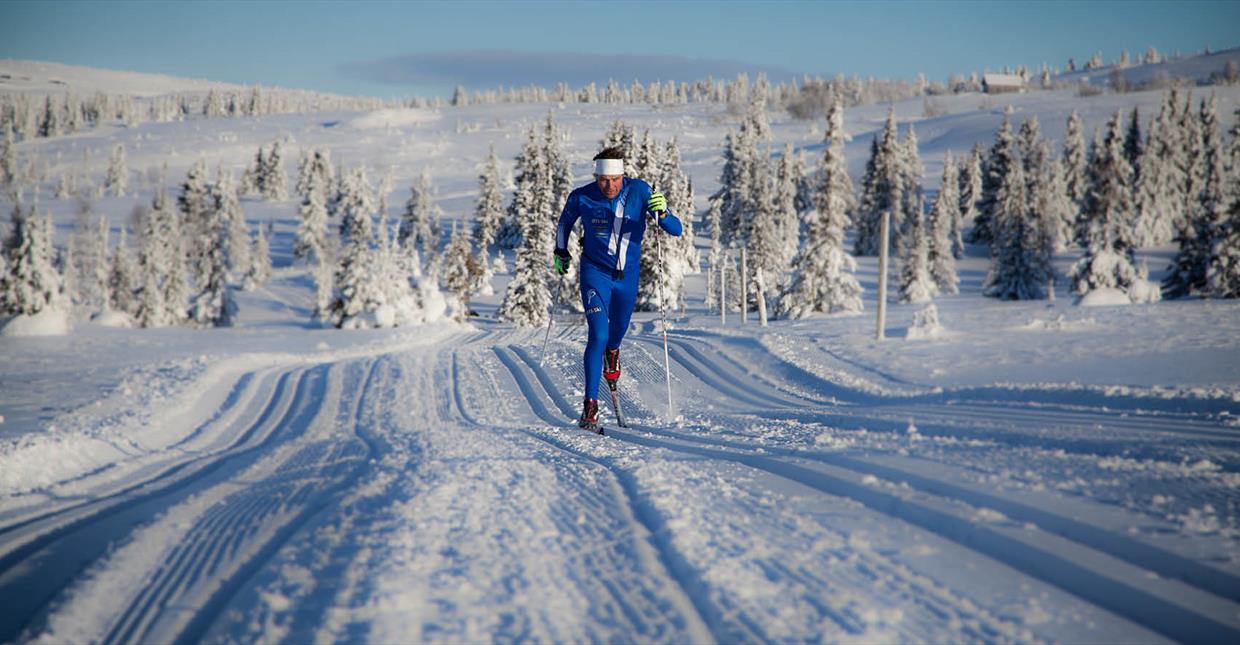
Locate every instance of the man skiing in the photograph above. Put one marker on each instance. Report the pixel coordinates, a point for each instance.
(613, 211)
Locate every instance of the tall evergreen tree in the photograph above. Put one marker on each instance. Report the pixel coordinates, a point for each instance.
(916, 283)
(312, 240)
(489, 211)
(1020, 259)
(32, 283)
(122, 281)
(175, 279)
(911, 173)
(1208, 220)
(785, 204)
(228, 209)
(1003, 155)
(1133, 148)
(116, 181)
(1159, 183)
(822, 278)
(260, 260)
(944, 215)
(1107, 217)
(420, 223)
(213, 305)
(882, 190)
(197, 206)
(970, 193)
(274, 182)
(1075, 164)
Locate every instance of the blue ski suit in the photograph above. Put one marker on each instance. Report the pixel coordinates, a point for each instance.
(610, 262)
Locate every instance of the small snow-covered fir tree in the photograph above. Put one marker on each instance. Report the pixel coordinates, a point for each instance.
(911, 173)
(764, 252)
(1107, 217)
(916, 283)
(944, 213)
(116, 180)
(197, 206)
(274, 182)
(227, 207)
(970, 186)
(1159, 183)
(822, 278)
(214, 305)
(420, 223)
(489, 211)
(153, 251)
(785, 205)
(1002, 156)
(312, 240)
(260, 260)
(678, 188)
(1200, 241)
(122, 278)
(32, 284)
(253, 177)
(882, 190)
(175, 279)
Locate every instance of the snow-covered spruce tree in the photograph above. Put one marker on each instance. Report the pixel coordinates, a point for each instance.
(359, 291)
(736, 181)
(213, 305)
(227, 207)
(1159, 183)
(197, 206)
(314, 172)
(260, 260)
(646, 161)
(785, 203)
(97, 268)
(419, 225)
(678, 188)
(1020, 259)
(944, 213)
(528, 298)
(116, 180)
(916, 284)
(8, 157)
(970, 191)
(764, 251)
(1002, 156)
(488, 212)
(806, 186)
(544, 180)
(1107, 216)
(274, 182)
(312, 241)
(714, 257)
(175, 279)
(32, 284)
(1223, 272)
(822, 278)
(1208, 219)
(1133, 147)
(253, 177)
(1191, 162)
(911, 173)
(152, 252)
(882, 191)
(122, 278)
(459, 268)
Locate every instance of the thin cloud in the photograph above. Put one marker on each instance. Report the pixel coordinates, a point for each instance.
(486, 69)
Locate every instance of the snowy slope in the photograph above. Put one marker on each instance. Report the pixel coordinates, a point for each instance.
(1036, 472)
(42, 77)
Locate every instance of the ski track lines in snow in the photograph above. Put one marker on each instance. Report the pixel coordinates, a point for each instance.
(724, 605)
(246, 498)
(1190, 602)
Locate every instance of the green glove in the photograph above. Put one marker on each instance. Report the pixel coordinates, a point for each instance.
(562, 260)
(657, 203)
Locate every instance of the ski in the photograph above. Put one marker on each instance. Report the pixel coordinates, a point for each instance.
(614, 386)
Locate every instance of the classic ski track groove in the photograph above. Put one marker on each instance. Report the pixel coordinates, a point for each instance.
(1153, 611)
(886, 570)
(672, 563)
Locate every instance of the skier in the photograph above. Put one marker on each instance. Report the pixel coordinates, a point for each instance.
(613, 212)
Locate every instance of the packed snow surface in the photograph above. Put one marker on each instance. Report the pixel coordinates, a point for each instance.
(1001, 471)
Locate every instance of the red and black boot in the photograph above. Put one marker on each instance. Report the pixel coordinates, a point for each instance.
(611, 367)
(589, 416)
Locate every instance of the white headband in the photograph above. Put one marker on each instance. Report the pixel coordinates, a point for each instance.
(608, 167)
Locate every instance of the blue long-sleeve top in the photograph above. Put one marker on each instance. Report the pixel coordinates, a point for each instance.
(613, 227)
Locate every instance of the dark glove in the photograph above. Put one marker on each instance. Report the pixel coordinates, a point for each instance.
(562, 261)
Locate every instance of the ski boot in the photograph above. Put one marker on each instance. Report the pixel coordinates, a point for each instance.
(589, 416)
(611, 367)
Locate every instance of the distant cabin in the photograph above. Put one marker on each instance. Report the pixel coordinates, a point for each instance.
(1002, 83)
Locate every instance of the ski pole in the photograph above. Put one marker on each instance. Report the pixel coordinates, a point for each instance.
(550, 319)
(667, 366)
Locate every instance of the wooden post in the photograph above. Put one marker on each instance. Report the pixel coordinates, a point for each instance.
(761, 284)
(744, 289)
(723, 291)
(882, 275)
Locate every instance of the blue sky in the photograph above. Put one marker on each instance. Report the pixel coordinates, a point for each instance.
(392, 49)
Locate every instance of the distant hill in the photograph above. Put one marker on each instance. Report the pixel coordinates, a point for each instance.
(41, 77)
(1199, 69)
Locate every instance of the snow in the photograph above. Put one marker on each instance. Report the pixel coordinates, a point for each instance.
(49, 322)
(387, 119)
(993, 471)
(1104, 297)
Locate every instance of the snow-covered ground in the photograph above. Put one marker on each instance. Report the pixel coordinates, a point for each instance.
(1033, 471)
